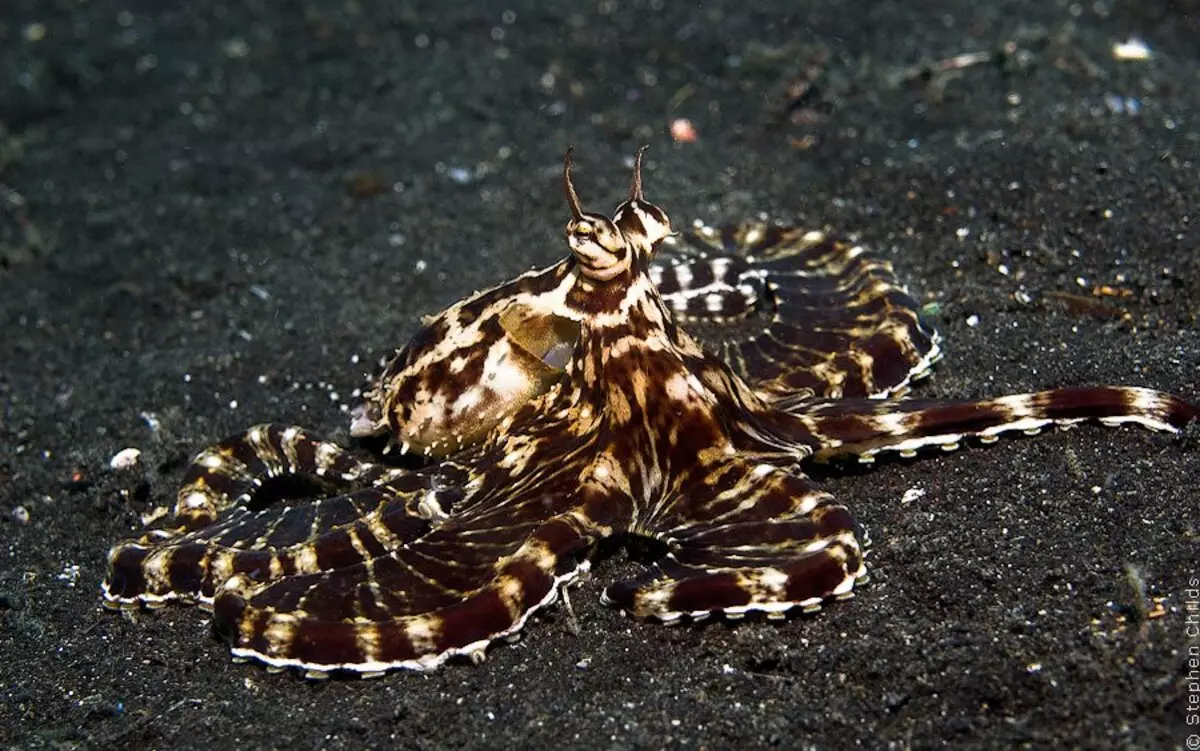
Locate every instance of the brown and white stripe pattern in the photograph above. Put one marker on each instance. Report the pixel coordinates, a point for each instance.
(569, 406)
(797, 311)
(379, 508)
(863, 429)
(358, 619)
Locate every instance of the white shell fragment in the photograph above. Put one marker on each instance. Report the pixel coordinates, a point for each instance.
(1132, 49)
(125, 459)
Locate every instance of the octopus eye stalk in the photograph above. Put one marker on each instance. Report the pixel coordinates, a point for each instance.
(635, 187)
(569, 187)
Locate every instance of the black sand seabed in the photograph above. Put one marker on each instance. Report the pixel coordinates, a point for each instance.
(234, 200)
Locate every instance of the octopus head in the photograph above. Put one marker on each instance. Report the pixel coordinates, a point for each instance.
(607, 248)
(600, 248)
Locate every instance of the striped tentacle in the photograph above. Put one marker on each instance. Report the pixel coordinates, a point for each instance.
(232, 472)
(369, 506)
(864, 428)
(449, 593)
(277, 542)
(797, 312)
(720, 289)
(746, 538)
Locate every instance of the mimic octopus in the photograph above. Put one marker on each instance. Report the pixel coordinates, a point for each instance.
(569, 406)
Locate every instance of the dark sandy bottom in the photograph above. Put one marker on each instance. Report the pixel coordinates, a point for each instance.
(207, 215)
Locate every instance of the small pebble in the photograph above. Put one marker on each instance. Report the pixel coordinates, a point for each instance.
(460, 175)
(125, 459)
(1133, 49)
(683, 131)
(151, 421)
(912, 494)
(20, 515)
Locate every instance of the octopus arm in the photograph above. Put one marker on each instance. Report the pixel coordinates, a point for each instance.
(745, 537)
(268, 525)
(864, 428)
(451, 592)
(796, 312)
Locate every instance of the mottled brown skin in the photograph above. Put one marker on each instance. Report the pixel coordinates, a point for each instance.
(597, 416)
(504, 343)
